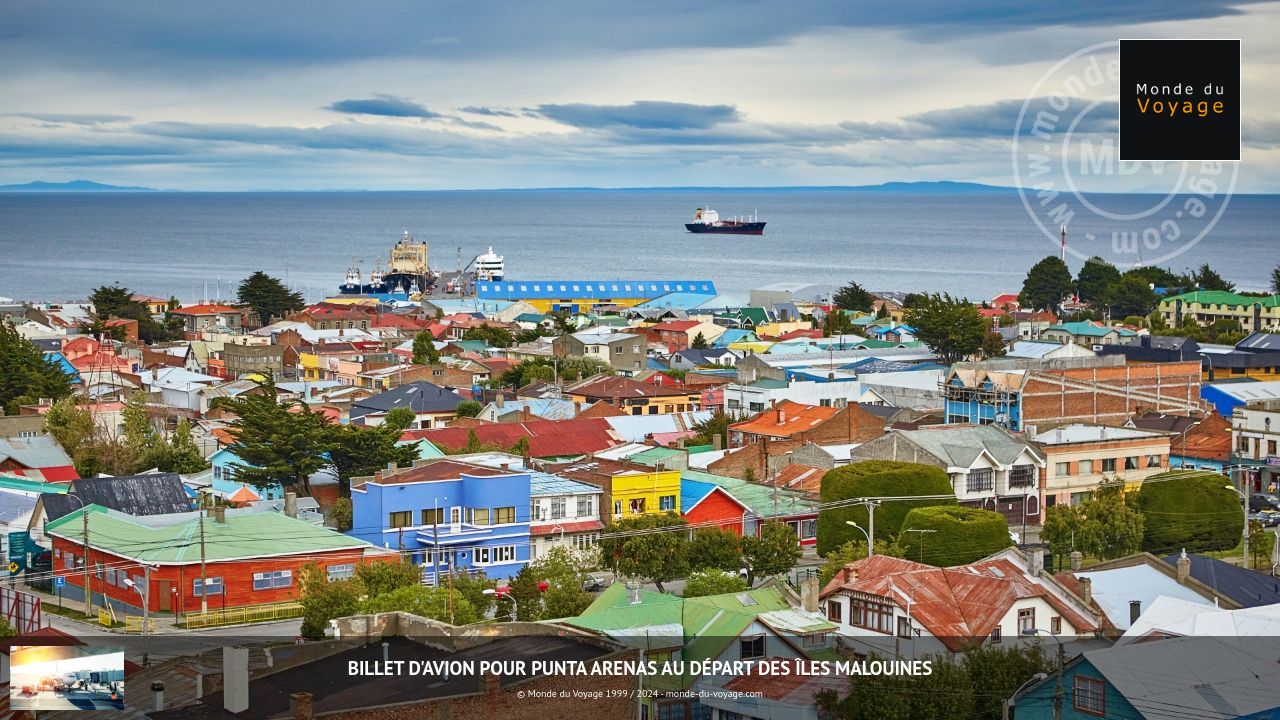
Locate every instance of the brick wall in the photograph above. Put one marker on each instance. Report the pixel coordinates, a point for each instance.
(1114, 394)
(851, 424)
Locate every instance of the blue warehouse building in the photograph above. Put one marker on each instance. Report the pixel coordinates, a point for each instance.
(581, 296)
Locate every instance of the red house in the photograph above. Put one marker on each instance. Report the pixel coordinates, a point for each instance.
(706, 504)
(251, 558)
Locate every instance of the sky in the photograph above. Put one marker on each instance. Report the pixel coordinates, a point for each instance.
(420, 94)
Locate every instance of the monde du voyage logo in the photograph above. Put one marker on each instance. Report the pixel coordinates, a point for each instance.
(1180, 100)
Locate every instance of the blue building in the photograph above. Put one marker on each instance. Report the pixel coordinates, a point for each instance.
(447, 515)
(225, 467)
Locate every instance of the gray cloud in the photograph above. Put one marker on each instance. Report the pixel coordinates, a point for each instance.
(642, 114)
(491, 112)
(384, 106)
(72, 118)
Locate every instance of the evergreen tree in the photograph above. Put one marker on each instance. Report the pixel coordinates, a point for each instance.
(424, 349)
(26, 375)
(993, 345)
(1095, 281)
(469, 408)
(267, 297)
(491, 335)
(657, 556)
(952, 328)
(853, 297)
(1047, 284)
(282, 443)
(1131, 296)
(699, 342)
(1275, 280)
(1207, 279)
(357, 450)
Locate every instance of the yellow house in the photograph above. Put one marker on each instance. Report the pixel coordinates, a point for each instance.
(629, 490)
(755, 346)
(1203, 307)
(778, 329)
(309, 365)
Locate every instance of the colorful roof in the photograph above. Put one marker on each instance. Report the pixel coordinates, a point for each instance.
(1222, 297)
(589, 289)
(762, 500)
(573, 527)
(786, 419)
(207, 309)
(243, 495)
(547, 438)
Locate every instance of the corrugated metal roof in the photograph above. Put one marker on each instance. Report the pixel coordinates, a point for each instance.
(589, 289)
(1077, 433)
(634, 428)
(547, 438)
(40, 451)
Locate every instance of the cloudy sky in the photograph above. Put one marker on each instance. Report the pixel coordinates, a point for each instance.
(417, 94)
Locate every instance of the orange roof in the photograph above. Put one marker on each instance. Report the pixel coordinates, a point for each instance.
(805, 478)
(786, 419)
(244, 495)
(209, 309)
(676, 325)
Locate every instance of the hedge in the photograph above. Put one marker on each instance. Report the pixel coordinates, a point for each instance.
(876, 478)
(960, 535)
(1192, 510)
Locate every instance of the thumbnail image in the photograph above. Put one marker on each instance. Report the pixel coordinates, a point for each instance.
(67, 678)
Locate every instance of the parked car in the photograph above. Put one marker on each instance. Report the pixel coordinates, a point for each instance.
(1268, 518)
(1263, 501)
(593, 584)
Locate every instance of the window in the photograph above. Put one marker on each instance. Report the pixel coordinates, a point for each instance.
(584, 506)
(751, 647)
(618, 350)
(401, 519)
(1109, 465)
(1022, 476)
(341, 572)
(504, 515)
(536, 512)
(479, 516)
(269, 580)
(1153, 461)
(69, 561)
(637, 506)
(617, 507)
(667, 502)
(1062, 469)
(212, 586)
(1131, 462)
(996, 636)
(835, 613)
(808, 529)
(494, 555)
(904, 627)
(980, 480)
(1089, 695)
(111, 577)
(557, 508)
(1055, 625)
(1026, 620)
(872, 615)
(815, 640)
(434, 516)
(1086, 467)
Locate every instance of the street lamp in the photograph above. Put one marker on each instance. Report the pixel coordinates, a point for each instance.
(1244, 502)
(145, 594)
(1057, 694)
(507, 595)
(870, 550)
(88, 587)
(1005, 704)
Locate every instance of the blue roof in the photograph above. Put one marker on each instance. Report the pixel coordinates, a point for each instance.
(733, 335)
(590, 289)
(693, 491)
(541, 483)
(545, 408)
(678, 300)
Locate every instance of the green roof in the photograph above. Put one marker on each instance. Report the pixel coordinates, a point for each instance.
(478, 346)
(654, 455)
(760, 499)
(426, 449)
(1088, 329)
(17, 483)
(693, 449)
(250, 535)
(531, 317)
(1222, 297)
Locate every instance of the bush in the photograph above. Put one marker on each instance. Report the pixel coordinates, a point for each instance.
(876, 478)
(961, 535)
(1192, 510)
(713, 582)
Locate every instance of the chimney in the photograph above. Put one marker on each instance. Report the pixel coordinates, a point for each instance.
(1184, 568)
(809, 594)
(490, 684)
(782, 415)
(1135, 611)
(157, 688)
(386, 652)
(220, 514)
(633, 592)
(301, 706)
(500, 401)
(577, 408)
(235, 679)
(525, 415)
(505, 465)
(1036, 562)
(1077, 560)
(1086, 590)
(291, 504)
(773, 402)
(717, 442)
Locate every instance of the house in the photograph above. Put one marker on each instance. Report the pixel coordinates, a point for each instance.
(752, 625)
(1122, 589)
(1168, 617)
(707, 505)
(262, 360)
(627, 489)
(882, 602)
(690, 359)
(224, 466)
(735, 335)
(679, 335)
(333, 316)
(766, 504)
(136, 495)
(199, 318)
(1087, 334)
(1188, 677)
(1246, 588)
(1205, 307)
(1079, 458)
(1227, 396)
(623, 351)
(1196, 442)
(36, 456)
(786, 427)
(989, 468)
(1255, 435)
(581, 296)
(663, 429)
(449, 515)
(524, 409)
(239, 569)
(545, 438)
(1044, 349)
(633, 397)
(432, 405)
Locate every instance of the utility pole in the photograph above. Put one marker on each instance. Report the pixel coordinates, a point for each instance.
(204, 580)
(871, 506)
(88, 589)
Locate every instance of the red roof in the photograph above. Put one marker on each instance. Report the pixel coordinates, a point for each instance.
(443, 469)
(392, 320)
(58, 473)
(612, 386)
(795, 688)
(801, 333)
(955, 604)
(337, 311)
(786, 419)
(547, 438)
(676, 325)
(804, 478)
(573, 527)
(209, 309)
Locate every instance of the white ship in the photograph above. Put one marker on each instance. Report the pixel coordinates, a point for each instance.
(489, 266)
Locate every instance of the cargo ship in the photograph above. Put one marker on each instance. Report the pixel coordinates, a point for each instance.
(708, 221)
(407, 273)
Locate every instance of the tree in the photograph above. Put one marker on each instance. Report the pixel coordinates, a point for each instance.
(876, 478)
(424, 349)
(715, 549)
(380, 578)
(564, 570)
(945, 693)
(853, 297)
(1131, 296)
(715, 426)
(1260, 543)
(569, 368)
(472, 587)
(952, 328)
(993, 345)
(1096, 279)
(699, 342)
(1189, 509)
(712, 582)
(658, 555)
(281, 443)
(469, 408)
(1047, 283)
(360, 450)
(1275, 280)
(958, 535)
(1207, 279)
(837, 322)
(1105, 526)
(491, 335)
(426, 601)
(852, 551)
(267, 297)
(26, 375)
(774, 552)
(323, 600)
(6, 630)
(73, 427)
(341, 513)
(113, 301)
(178, 454)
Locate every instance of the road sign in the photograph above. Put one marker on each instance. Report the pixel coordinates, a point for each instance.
(14, 568)
(60, 581)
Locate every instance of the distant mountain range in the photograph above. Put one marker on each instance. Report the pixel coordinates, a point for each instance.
(72, 186)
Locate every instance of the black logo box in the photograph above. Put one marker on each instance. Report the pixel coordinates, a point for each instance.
(1205, 73)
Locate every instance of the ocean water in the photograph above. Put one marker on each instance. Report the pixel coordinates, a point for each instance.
(61, 246)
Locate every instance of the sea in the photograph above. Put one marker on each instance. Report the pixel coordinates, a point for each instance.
(59, 246)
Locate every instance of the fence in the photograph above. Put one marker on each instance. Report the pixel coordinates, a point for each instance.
(133, 623)
(236, 616)
(21, 610)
